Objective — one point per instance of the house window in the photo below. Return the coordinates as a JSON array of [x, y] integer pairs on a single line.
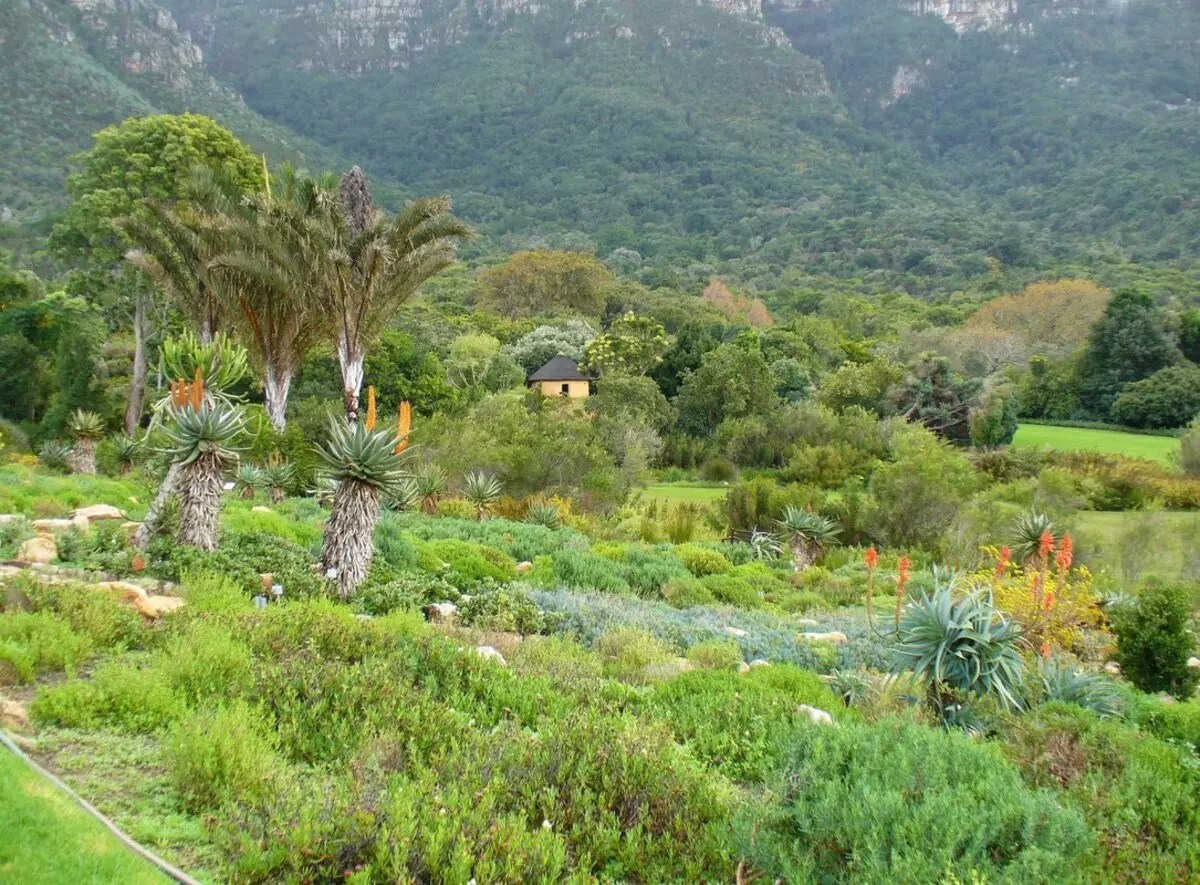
[[566, 390]]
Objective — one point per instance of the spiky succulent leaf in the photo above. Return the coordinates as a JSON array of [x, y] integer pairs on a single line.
[[85, 425], [804, 525], [54, 454], [125, 448], [1027, 534], [366, 456], [280, 476], [765, 545], [430, 480], [404, 496], [251, 476], [222, 363], [1091, 691], [209, 430], [481, 489], [544, 514], [963, 643]]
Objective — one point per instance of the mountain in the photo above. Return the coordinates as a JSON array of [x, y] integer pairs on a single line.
[[923, 144], [68, 69]]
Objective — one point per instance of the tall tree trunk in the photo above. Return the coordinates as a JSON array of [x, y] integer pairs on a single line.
[[277, 382], [802, 555], [83, 457], [200, 497], [349, 535], [141, 538], [350, 358], [141, 369]]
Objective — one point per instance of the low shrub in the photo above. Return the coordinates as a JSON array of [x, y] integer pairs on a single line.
[[471, 564], [647, 569], [715, 654], [32, 643], [577, 570], [13, 534], [241, 558], [687, 592], [740, 724], [1154, 642], [301, 529], [204, 661], [119, 695], [628, 654], [404, 592], [701, 561], [733, 591], [499, 607], [1174, 723], [521, 540], [218, 753], [896, 802], [1138, 792], [563, 660], [212, 593], [455, 508]]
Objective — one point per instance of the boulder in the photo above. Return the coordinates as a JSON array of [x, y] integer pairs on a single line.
[[1194, 663], [98, 511], [82, 523], [131, 528], [42, 549], [815, 716], [743, 668], [13, 715], [6, 518], [836, 637], [154, 607], [53, 525], [490, 654], [1112, 668], [442, 613], [524, 568], [759, 662], [735, 632]]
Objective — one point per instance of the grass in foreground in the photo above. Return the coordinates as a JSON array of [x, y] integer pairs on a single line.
[[1108, 442], [46, 839]]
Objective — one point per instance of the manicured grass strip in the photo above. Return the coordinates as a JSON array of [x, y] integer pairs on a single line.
[[670, 493], [46, 839], [1108, 442]]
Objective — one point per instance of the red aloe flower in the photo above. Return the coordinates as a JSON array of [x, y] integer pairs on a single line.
[[871, 558], [1066, 553], [1045, 545]]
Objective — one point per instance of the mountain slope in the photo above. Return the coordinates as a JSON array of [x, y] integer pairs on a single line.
[[68, 69]]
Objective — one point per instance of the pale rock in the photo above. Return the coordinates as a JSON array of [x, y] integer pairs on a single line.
[[1194, 663], [131, 527], [52, 525], [836, 637], [524, 568], [735, 632], [154, 607], [743, 668], [1112, 668], [13, 715], [759, 662], [815, 716], [82, 523], [808, 622], [6, 518], [43, 549], [442, 613], [490, 654], [99, 511]]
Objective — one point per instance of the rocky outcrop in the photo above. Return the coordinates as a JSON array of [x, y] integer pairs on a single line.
[[40, 550]]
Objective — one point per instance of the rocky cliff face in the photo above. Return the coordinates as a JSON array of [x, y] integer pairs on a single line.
[[357, 36], [978, 15]]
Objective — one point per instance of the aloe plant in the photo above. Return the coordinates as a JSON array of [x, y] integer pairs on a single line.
[[482, 490], [201, 445], [807, 533], [431, 482], [86, 429]]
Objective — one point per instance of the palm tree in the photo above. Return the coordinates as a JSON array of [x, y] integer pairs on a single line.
[[86, 429], [200, 434], [807, 533], [365, 465], [482, 490], [271, 270], [375, 264]]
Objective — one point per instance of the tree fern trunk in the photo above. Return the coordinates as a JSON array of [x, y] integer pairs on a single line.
[[349, 535], [84, 457], [200, 497]]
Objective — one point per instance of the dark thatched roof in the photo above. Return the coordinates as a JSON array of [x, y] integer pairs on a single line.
[[561, 368]]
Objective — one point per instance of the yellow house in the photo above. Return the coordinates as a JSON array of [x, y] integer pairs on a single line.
[[561, 377]]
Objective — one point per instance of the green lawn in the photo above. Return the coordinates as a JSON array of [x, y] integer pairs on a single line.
[[670, 493], [1108, 442], [1136, 543], [46, 839]]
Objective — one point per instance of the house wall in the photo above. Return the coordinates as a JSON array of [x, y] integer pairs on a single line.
[[575, 389]]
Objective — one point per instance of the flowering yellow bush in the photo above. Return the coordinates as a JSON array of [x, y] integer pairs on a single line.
[[1054, 602]]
